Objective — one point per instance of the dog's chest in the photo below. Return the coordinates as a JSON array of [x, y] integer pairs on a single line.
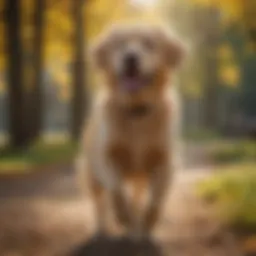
[[135, 145]]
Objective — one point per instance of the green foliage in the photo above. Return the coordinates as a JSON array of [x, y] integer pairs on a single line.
[[38, 155], [234, 152], [199, 135], [233, 192]]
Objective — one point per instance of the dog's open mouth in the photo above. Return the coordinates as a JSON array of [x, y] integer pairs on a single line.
[[134, 83]]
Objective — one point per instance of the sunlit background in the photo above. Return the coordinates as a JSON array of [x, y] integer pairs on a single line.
[[47, 83]]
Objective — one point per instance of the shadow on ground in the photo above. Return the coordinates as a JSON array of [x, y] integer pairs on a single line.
[[115, 246]]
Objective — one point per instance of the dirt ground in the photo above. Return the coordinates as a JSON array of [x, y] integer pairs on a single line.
[[45, 225]]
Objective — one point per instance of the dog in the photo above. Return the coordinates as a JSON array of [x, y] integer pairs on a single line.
[[129, 136]]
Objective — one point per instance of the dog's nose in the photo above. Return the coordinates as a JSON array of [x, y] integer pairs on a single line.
[[131, 60], [131, 63]]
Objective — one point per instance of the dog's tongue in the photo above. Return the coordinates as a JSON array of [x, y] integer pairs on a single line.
[[132, 84]]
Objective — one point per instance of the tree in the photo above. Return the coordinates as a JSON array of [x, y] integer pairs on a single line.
[[199, 25], [15, 74], [236, 11], [78, 88], [34, 102], [209, 49], [249, 19]]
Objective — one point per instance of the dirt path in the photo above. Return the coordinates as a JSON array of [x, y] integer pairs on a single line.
[[44, 226], [189, 227]]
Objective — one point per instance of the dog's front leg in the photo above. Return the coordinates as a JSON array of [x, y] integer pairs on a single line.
[[120, 160], [121, 208], [99, 197], [160, 181]]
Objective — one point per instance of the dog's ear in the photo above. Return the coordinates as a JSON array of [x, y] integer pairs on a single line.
[[100, 48], [175, 49], [98, 52]]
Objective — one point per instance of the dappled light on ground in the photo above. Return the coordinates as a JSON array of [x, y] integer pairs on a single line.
[[64, 227]]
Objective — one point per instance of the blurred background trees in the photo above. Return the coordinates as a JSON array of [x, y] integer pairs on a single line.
[[78, 92], [15, 73], [217, 85], [34, 103], [38, 46], [45, 77]]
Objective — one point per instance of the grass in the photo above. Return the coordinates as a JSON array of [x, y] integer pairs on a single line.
[[38, 155], [224, 150], [201, 135], [233, 190], [234, 151]]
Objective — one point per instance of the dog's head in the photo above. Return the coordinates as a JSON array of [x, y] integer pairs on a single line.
[[137, 60]]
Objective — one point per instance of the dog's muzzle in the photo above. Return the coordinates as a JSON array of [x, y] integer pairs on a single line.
[[132, 78], [131, 65]]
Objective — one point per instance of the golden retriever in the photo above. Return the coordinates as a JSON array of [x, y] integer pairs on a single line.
[[129, 136]]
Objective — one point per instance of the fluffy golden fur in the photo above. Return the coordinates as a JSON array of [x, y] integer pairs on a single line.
[[129, 136]]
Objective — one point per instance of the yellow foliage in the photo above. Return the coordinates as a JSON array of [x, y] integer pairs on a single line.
[[62, 78], [58, 32], [231, 9], [57, 52], [59, 20], [250, 48], [230, 75], [28, 5], [225, 52], [1, 5], [193, 89], [100, 13], [27, 31]]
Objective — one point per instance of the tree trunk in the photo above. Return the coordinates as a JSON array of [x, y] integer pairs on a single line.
[[34, 102], [209, 51], [78, 89], [15, 75], [211, 89]]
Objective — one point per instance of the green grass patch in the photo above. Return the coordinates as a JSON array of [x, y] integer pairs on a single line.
[[201, 135], [38, 155], [233, 192], [234, 151]]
